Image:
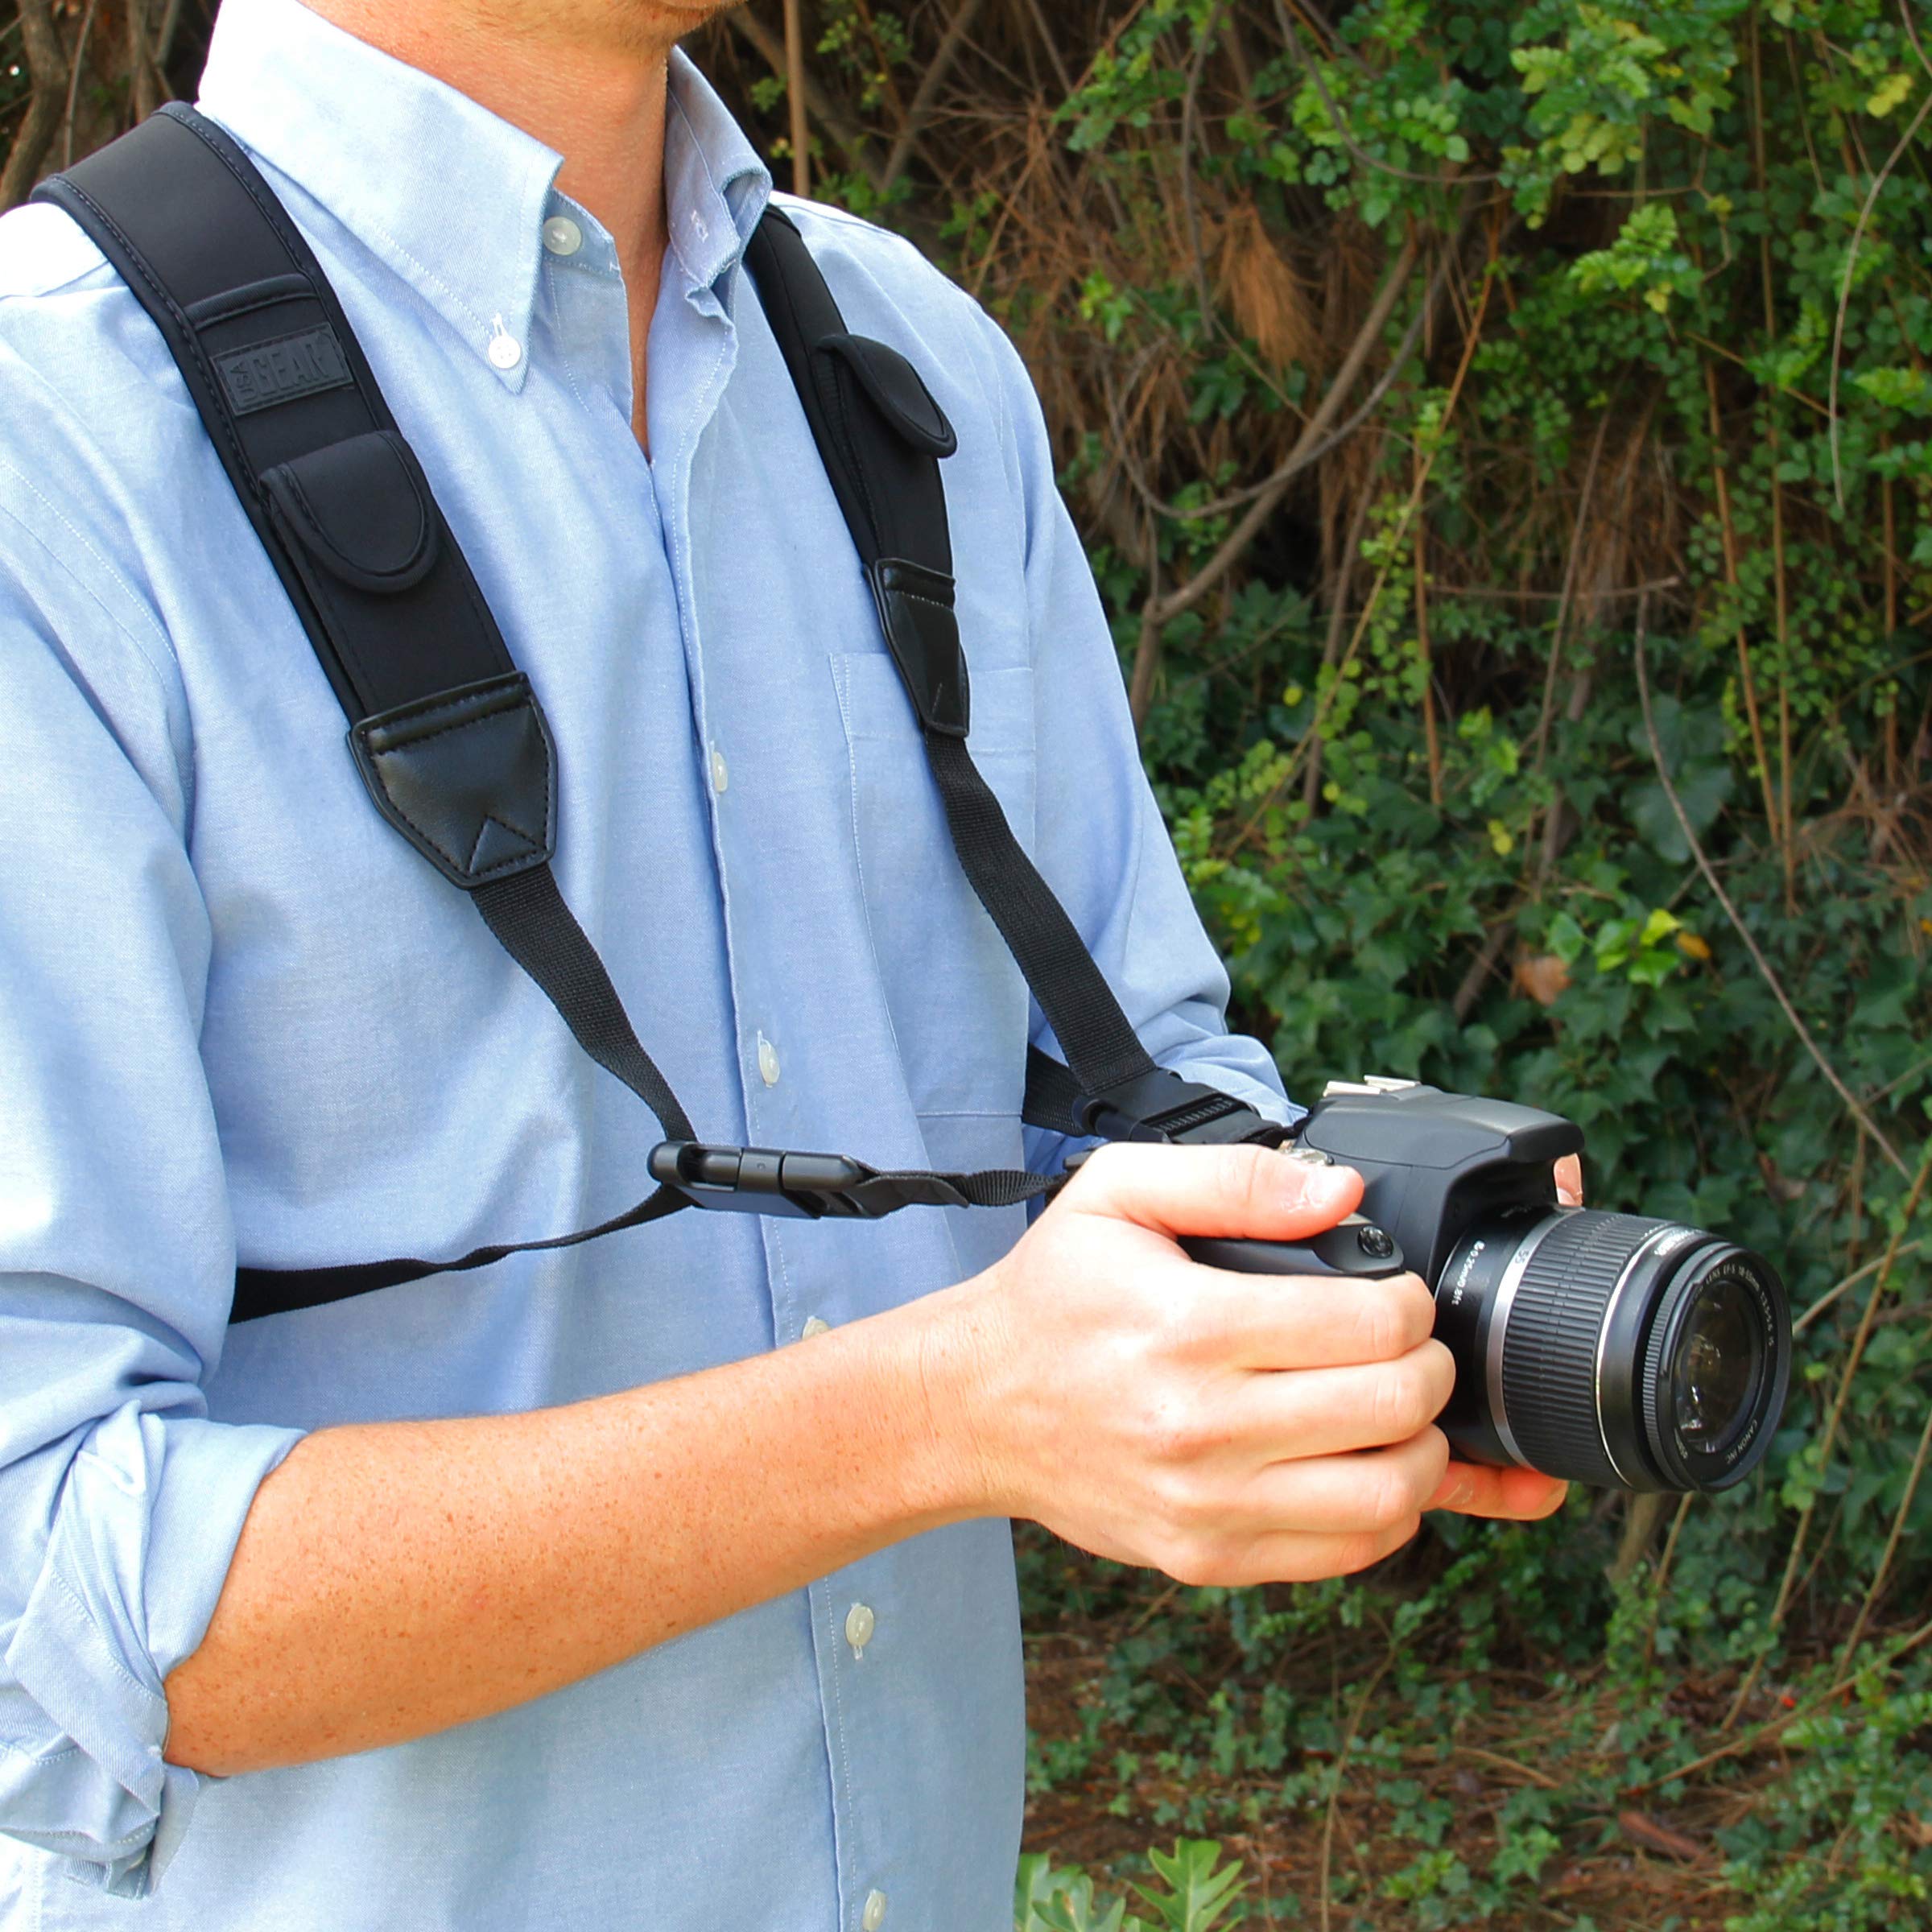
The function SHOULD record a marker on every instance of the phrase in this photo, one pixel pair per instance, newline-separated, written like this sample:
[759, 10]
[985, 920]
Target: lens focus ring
[1549, 1351]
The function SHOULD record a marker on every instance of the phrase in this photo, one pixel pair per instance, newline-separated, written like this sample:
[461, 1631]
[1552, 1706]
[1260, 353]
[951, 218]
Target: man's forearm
[394, 1579]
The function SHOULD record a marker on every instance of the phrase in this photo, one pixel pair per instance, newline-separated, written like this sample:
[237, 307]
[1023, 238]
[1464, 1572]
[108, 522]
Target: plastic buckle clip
[797, 1187]
[1161, 1106]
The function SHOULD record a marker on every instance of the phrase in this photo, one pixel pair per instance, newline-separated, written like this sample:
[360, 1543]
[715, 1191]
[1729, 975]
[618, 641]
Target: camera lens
[1613, 1349]
[1714, 1371]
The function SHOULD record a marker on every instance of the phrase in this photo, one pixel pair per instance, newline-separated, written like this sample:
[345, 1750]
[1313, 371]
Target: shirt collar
[715, 187]
[451, 196]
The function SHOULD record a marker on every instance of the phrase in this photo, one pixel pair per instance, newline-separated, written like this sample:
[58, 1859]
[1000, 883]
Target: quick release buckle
[797, 1187]
[1161, 1106]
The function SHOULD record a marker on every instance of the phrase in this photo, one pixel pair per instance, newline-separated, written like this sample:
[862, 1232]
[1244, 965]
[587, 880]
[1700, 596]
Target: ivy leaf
[1704, 788]
[1897, 388]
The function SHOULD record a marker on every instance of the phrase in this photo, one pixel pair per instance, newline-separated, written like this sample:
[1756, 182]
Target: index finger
[1261, 1193]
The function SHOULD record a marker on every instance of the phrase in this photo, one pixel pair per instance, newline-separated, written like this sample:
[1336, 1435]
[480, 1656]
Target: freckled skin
[394, 1579]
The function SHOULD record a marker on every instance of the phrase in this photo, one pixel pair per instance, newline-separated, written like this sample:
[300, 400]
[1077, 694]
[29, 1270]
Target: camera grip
[1354, 1249]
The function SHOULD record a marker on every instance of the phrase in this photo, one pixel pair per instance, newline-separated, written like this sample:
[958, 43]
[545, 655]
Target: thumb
[1261, 1192]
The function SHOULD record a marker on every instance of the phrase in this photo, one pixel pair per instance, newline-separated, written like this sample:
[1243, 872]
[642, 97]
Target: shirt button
[562, 236]
[505, 352]
[860, 1624]
[815, 1324]
[720, 772]
[768, 1062]
[874, 1914]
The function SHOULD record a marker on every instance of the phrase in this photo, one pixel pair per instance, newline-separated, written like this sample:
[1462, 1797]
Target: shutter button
[1375, 1243]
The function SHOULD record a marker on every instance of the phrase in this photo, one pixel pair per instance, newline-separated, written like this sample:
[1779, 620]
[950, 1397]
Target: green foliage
[1193, 1892]
[1654, 377]
[1437, 837]
[1839, 1848]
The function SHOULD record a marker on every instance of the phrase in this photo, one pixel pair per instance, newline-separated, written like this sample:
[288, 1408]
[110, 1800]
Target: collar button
[562, 236]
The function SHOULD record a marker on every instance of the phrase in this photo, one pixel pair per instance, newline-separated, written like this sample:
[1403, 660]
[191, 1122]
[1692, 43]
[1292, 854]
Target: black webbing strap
[447, 733]
[881, 436]
[1052, 1094]
[260, 1291]
[539, 932]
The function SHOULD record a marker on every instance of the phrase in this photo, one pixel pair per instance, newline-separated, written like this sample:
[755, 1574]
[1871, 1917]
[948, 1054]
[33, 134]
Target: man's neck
[598, 100]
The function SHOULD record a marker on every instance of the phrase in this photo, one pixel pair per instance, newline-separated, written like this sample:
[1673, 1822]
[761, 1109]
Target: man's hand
[1223, 1428]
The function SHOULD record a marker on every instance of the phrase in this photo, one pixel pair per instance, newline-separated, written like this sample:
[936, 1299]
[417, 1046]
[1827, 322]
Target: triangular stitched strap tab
[467, 777]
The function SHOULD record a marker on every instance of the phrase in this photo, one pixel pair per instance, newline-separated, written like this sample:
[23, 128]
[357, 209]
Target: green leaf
[1047, 1899]
[1198, 1894]
[1888, 94]
[1702, 789]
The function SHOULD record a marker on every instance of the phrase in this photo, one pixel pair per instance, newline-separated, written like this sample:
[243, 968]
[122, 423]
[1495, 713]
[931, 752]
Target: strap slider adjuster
[764, 1180]
[1161, 1106]
[798, 1186]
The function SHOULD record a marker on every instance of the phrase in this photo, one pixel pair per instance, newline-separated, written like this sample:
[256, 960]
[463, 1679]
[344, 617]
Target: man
[691, 1604]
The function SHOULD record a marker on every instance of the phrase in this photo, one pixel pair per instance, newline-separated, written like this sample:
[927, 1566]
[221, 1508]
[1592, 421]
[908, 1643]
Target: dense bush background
[1434, 381]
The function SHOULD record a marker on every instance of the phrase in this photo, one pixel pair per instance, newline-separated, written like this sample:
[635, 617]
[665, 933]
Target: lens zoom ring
[1550, 1348]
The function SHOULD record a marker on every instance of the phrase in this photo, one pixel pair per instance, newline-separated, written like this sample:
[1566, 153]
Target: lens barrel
[1613, 1349]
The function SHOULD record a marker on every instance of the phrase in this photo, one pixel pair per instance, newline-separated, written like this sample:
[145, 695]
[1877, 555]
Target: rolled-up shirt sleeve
[121, 1502]
[1101, 842]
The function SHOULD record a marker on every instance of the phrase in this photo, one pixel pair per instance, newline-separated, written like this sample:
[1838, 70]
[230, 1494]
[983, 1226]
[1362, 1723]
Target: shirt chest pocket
[958, 1003]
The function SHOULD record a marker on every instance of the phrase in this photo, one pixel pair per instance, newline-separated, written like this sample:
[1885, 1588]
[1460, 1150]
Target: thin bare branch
[770, 47]
[1844, 292]
[47, 73]
[906, 143]
[1313, 443]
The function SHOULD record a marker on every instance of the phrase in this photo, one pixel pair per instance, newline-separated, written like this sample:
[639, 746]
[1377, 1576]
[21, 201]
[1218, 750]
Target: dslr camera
[1610, 1349]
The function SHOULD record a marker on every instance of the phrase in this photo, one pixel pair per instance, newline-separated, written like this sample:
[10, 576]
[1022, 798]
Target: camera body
[1434, 1163]
[1607, 1348]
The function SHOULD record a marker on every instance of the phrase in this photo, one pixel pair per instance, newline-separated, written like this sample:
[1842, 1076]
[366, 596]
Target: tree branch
[47, 68]
[1317, 439]
[770, 49]
[920, 112]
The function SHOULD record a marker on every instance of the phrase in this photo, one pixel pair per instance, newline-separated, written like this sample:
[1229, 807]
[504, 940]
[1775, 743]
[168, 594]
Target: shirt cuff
[138, 1551]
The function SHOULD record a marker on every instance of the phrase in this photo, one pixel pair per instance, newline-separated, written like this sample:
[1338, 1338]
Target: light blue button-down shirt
[240, 1019]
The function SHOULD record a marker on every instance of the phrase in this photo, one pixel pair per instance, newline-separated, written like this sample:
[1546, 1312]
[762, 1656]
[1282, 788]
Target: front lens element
[1716, 1360]
[1714, 1372]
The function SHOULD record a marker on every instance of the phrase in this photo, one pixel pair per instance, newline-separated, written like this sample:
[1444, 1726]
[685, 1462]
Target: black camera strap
[881, 436]
[447, 733]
